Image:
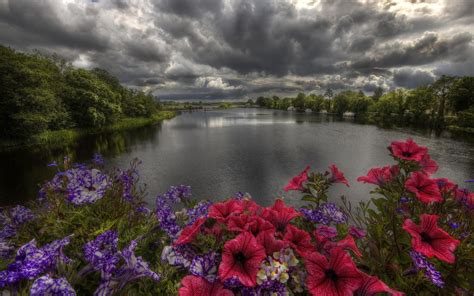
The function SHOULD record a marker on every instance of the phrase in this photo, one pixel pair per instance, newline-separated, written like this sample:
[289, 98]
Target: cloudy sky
[239, 49]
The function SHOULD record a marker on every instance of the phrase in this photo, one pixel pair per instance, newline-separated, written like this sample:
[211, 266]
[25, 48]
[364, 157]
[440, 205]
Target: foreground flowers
[430, 240]
[90, 233]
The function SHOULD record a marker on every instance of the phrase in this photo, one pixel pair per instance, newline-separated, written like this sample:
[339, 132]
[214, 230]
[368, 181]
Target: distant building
[308, 110]
[348, 114]
[291, 108]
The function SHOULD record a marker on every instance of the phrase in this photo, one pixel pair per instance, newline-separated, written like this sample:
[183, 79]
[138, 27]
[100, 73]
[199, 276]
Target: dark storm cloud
[241, 48]
[412, 78]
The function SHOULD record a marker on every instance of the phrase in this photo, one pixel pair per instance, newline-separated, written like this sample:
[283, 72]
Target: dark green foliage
[39, 94]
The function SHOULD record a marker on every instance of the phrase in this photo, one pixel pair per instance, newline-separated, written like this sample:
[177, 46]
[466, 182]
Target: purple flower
[176, 193]
[325, 214]
[21, 214]
[53, 164]
[200, 210]
[166, 217]
[469, 181]
[180, 256]
[32, 261]
[357, 232]
[421, 263]
[5, 249]
[454, 225]
[46, 286]
[144, 210]
[102, 252]
[134, 268]
[205, 266]
[80, 184]
[266, 288]
[98, 159]
[404, 199]
[128, 179]
[232, 283]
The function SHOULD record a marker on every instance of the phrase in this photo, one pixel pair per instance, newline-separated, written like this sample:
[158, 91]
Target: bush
[90, 232]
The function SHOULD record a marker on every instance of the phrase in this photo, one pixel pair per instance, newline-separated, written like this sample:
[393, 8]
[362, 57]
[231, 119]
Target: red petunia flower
[252, 224]
[337, 176]
[270, 243]
[296, 183]
[241, 258]
[408, 150]
[347, 243]
[425, 189]
[378, 176]
[192, 285]
[189, 233]
[249, 206]
[337, 277]
[280, 215]
[299, 240]
[372, 285]
[428, 165]
[223, 210]
[430, 240]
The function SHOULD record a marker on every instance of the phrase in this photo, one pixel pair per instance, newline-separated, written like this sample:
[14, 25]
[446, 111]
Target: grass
[455, 128]
[62, 137]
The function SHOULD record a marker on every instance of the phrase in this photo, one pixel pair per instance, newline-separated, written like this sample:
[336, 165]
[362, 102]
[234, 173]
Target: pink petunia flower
[241, 258]
[430, 240]
[296, 183]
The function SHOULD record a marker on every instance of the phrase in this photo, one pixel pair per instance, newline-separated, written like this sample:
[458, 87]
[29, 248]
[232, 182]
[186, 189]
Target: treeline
[39, 93]
[447, 101]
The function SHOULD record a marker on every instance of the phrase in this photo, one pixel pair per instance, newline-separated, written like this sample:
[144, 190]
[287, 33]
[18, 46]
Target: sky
[241, 49]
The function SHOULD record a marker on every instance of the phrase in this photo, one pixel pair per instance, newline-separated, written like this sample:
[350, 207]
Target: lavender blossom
[205, 266]
[179, 256]
[98, 159]
[81, 185]
[325, 214]
[128, 179]
[21, 214]
[274, 288]
[102, 252]
[166, 218]
[5, 249]
[176, 193]
[32, 261]
[134, 268]
[200, 210]
[53, 164]
[421, 263]
[45, 286]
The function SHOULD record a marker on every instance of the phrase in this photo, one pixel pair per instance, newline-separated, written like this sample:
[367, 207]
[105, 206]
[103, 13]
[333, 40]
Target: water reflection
[221, 152]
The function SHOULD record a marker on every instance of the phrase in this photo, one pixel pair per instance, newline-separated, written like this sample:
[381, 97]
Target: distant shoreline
[66, 136]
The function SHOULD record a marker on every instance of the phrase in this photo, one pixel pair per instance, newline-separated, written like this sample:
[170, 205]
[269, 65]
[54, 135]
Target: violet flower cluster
[102, 252]
[421, 263]
[198, 211]
[103, 255]
[325, 214]
[46, 286]
[80, 184]
[206, 266]
[32, 261]
[9, 223]
[164, 212]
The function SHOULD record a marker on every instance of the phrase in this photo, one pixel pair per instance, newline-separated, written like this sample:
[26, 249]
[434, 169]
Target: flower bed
[90, 232]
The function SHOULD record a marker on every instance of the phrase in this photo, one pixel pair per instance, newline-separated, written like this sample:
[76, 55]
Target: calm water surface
[221, 152]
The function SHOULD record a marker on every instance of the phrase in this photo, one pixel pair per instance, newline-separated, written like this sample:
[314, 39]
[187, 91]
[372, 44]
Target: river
[221, 152]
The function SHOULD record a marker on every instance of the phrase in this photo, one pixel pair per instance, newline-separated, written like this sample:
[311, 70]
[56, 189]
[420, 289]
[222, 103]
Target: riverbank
[66, 136]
